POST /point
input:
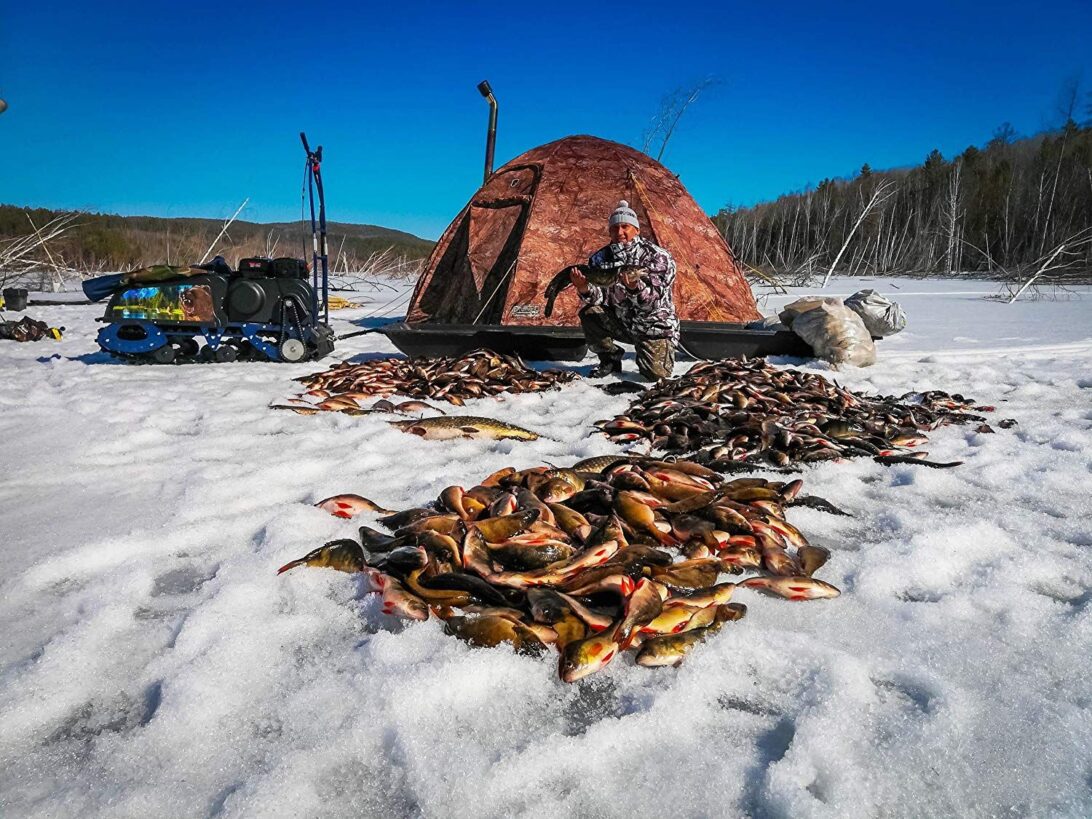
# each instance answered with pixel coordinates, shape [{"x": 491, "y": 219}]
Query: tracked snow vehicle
[{"x": 263, "y": 311}]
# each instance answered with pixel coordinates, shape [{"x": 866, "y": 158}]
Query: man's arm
[
  {"x": 661, "y": 272},
  {"x": 661, "y": 269}
]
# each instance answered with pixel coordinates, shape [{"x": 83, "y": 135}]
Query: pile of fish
[
  {"x": 730, "y": 414},
  {"x": 615, "y": 553},
  {"x": 473, "y": 375}
]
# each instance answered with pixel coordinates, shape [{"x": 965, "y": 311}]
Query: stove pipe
[{"x": 491, "y": 138}]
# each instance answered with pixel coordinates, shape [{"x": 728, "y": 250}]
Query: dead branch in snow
[{"x": 1058, "y": 259}]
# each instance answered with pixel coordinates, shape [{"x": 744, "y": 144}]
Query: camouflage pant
[{"x": 655, "y": 356}]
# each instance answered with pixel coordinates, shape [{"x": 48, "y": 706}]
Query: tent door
[
  {"x": 470, "y": 283},
  {"x": 493, "y": 247}
]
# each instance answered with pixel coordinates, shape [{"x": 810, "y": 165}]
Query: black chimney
[{"x": 491, "y": 138}]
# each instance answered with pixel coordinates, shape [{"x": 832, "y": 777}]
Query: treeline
[
  {"x": 94, "y": 242},
  {"x": 1008, "y": 208}
]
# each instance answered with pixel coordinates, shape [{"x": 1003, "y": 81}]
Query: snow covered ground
[{"x": 152, "y": 663}]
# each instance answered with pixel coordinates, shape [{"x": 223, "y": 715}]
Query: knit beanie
[{"x": 624, "y": 215}]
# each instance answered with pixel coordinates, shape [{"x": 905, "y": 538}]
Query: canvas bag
[{"x": 833, "y": 331}]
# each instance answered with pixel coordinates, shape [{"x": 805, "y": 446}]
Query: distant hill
[{"x": 108, "y": 242}]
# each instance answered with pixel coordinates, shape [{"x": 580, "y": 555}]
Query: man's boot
[{"x": 609, "y": 362}]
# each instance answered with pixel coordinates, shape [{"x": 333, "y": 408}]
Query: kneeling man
[{"x": 637, "y": 307}]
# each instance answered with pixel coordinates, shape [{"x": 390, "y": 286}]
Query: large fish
[{"x": 447, "y": 427}]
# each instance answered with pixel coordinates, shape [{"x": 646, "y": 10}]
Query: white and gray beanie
[{"x": 624, "y": 215}]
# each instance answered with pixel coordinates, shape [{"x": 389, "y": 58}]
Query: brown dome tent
[{"x": 545, "y": 210}]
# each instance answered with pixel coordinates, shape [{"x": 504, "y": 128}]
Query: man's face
[{"x": 620, "y": 234}]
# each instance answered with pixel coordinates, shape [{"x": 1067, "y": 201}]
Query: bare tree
[
  {"x": 883, "y": 191},
  {"x": 951, "y": 214},
  {"x": 672, "y": 108},
  {"x": 1067, "y": 104}
]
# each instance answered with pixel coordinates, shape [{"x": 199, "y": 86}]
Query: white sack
[{"x": 834, "y": 332}]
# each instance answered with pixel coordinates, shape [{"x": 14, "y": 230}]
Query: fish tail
[{"x": 290, "y": 565}]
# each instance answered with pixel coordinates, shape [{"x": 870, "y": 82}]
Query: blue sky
[{"x": 185, "y": 109}]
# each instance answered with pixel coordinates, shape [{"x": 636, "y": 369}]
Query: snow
[{"x": 152, "y": 663}]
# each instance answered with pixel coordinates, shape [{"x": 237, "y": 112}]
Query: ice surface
[{"x": 152, "y": 663}]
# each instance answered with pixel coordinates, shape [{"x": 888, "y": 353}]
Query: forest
[{"x": 1009, "y": 208}]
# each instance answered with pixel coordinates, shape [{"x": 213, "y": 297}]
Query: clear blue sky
[{"x": 184, "y": 109}]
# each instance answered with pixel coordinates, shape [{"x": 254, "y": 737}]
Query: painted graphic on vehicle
[{"x": 178, "y": 302}]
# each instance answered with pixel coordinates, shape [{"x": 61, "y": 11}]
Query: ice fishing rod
[{"x": 319, "y": 252}]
